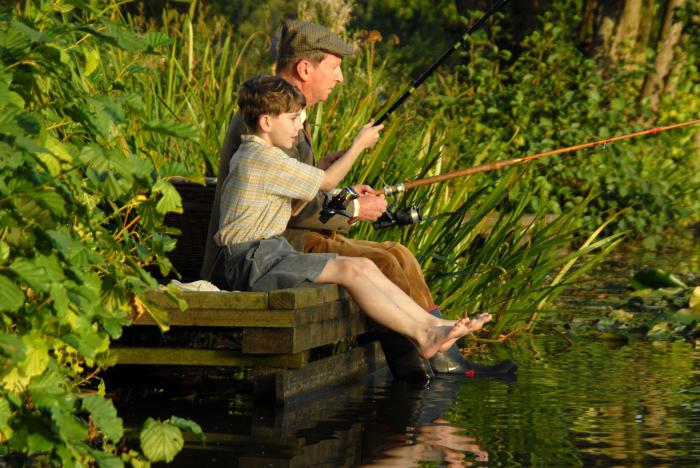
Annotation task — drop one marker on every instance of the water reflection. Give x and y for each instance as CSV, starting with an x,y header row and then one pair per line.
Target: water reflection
x,y
589,403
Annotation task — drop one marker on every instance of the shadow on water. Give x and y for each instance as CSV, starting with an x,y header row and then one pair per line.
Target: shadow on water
x,y
585,402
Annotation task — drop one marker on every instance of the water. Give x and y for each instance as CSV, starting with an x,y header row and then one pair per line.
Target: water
x,y
575,402
589,403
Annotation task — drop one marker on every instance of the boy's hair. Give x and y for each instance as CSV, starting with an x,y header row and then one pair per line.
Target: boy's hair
x,y
267,95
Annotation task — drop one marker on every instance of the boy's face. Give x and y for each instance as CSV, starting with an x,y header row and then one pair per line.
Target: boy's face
x,y
284,129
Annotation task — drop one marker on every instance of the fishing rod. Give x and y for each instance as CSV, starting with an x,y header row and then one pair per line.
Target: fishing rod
x,y
412,88
413,215
492,166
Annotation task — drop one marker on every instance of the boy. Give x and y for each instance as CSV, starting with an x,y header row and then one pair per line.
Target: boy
x,y
256,206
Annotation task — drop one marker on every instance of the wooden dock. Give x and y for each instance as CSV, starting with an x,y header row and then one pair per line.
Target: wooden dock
x,y
294,341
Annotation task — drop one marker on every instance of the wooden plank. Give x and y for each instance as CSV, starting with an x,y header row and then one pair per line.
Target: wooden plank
x,y
224,318
305,296
206,357
215,317
293,340
324,373
235,300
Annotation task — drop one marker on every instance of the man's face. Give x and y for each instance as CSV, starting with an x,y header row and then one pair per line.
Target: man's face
x,y
322,79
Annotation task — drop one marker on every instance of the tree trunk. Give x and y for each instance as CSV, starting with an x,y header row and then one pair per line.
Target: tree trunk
x,y
645,26
627,32
654,85
597,30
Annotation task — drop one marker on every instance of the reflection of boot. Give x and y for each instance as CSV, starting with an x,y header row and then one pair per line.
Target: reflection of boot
x,y
452,362
403,358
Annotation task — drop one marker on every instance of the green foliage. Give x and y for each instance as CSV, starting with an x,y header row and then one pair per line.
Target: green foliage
x,y
476,248
550,95
81,218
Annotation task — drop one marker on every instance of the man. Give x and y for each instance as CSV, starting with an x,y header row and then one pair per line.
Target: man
x,y
310,57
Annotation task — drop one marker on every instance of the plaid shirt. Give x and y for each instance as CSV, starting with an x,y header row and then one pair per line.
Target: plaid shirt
x,y
256,199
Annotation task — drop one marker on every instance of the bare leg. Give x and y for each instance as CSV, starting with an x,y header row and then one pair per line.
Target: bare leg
x,y
403,300
382,305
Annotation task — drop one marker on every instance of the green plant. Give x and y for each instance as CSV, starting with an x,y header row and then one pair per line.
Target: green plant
x,y
81,211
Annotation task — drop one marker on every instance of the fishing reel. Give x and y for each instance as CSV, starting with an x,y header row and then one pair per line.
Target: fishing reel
x,y
337,205
400,217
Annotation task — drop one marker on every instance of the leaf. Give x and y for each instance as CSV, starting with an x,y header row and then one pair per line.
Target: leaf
x,y
113,327
11,297
687,316
37,443
32,273
37,356
105,460
87,342
170,200
160,441
92,60
127,39
173,128
70,428
656,278
189,425
93,156
50,200
104,416
50,382
158,314
156,39
694,300
5,412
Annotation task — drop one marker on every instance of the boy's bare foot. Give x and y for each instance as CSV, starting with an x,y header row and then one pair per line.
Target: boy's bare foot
x,y
442,338
472,324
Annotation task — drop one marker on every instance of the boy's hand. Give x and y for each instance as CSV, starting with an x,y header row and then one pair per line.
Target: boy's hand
x,y
368,136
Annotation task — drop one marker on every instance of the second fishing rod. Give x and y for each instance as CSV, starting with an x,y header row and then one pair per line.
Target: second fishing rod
x,y
337,205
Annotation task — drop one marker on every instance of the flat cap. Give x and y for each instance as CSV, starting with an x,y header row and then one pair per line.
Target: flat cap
x,y
299,39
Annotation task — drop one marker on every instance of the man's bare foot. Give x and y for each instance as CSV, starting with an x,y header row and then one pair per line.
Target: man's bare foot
x,y
443,337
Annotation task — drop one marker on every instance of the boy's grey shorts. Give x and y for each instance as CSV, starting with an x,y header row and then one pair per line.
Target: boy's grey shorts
x,y
268,264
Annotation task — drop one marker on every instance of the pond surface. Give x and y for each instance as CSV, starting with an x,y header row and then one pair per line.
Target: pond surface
x,y
574,402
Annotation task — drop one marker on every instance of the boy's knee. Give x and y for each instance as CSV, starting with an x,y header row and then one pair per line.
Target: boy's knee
x,y
355,266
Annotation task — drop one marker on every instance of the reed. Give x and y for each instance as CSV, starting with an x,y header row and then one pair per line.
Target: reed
x,y
476,250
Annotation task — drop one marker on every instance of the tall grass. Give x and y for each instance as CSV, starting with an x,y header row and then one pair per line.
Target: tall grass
x,y
477,251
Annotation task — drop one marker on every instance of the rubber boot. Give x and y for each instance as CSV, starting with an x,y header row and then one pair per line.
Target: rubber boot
x,y
452,362
403,358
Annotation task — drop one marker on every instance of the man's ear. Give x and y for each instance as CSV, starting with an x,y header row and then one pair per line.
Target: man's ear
x,y
303,68
264,123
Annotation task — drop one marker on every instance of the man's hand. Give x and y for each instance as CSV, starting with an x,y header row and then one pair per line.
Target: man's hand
x,y
324,163
372,206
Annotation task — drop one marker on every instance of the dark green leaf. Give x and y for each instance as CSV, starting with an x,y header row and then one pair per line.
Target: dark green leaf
x,y
32,273
173,128
11,296
70,428
189,425
105,416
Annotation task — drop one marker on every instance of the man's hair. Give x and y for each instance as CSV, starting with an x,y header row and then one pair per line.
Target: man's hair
x,y
267,95
286,63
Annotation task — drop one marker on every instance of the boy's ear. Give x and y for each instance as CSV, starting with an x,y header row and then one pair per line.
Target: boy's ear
x,y
264,122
